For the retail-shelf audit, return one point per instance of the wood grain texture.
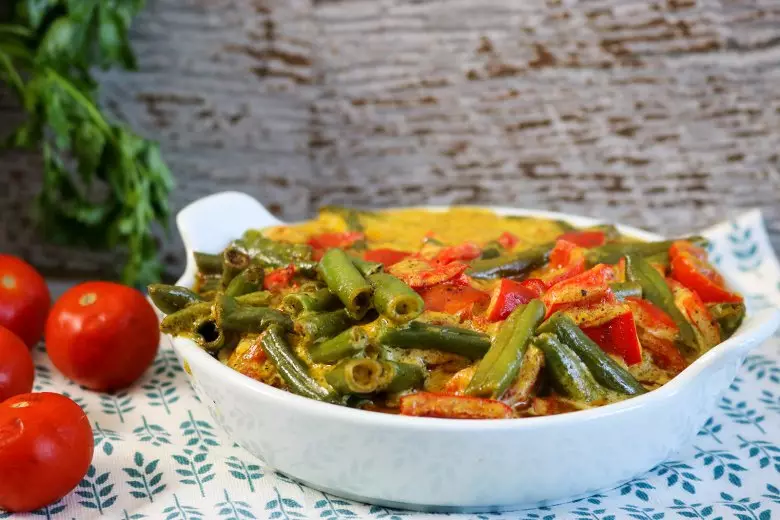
(664, 114)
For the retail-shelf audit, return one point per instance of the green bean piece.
(247, 281)
(496, 371)
(659, 258)
(208, 263)
(299, 302)
(366, 267)
(570, 377)
(271, 253)
(209, 284)
(233, 262)
(522, 388)
(394, 299)
(208, 335)
(516, 264)
(491, 249)
(230, 315)
(292, 369)
(355, 376)
(729, 317)
(623, 290)
(400, 377)
(183, 321)
(655, 289)
(606, 370)
(455, 340)
(612, 253)
(349, 343)
(255, 299)
(315, 326)
(345, 281)
(171, 298)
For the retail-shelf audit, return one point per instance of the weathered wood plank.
(661, 114)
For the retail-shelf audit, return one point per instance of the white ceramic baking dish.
(444, 464)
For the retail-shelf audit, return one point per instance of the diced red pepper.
(697, 314)
(585, 238)
(331, 240)
(694, 272)
(386, 257)
(279, 278)
(595, 312)
(591, 285)
(619, 337)
(665, 353)
(508, 240)
(458, 382)
(462, 252)
(508, 294)
(652, 319)
(566, 260)
(425, 404)
(452, 298)
(419, 273)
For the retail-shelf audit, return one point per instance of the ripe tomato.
(45, 449)
(24, 299)
(102, 335)
(16, 366)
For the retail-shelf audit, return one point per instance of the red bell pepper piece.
(693, 271)
(665, 353)
(508, 294)
(595, 312)
(425, 404)
(657, 333)
(585, 238)
(619, 337)
(591, 285)
(697, 314)
(451, 298)
(331, 240)
(566, 260)
(386, 257)
(462, 252)
(279, 278)
(620, 270)
(418, 273)
(507, 240)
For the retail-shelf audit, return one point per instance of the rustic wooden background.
(663, 114)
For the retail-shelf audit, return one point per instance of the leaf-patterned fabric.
(159, 455)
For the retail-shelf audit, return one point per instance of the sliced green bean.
(233, 262)
(394, 299)
(623, 290)
(209, 284)
(299, 302)
(345, 281)
(315, 326)
(655, 289)
(729, 317)
(456, 340)
(606, 370)
(517, 264)
(171, 298)
(184, 320)
(349, 343)
(400, 377)
(208, 335)
(355, 376)
(292, 369)
(612, 253)
(247, 281)
(522, 387)
(208, 263)
(570, 377)
(271, 253)
(230, 315)
(255, 299)
(366, 267)
(496, 371)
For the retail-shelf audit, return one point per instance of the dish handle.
(208, 224)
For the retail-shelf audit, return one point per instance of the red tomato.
(331, 240)
(387, 257)
(102, 335)
(16, 366)
(585, 238)
(45, 449)
(279, 278)
(451, 298)
(508, 240)
(24, 299)
(700, 276)
(618, 336)
(508, 294)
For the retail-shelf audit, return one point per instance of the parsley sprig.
(104, 187)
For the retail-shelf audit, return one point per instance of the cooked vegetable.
(24, 299)
(345, 281)
(16, 368)
(442, 315)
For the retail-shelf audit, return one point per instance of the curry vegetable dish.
(455, 314)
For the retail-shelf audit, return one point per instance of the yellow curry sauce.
(515, 316)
